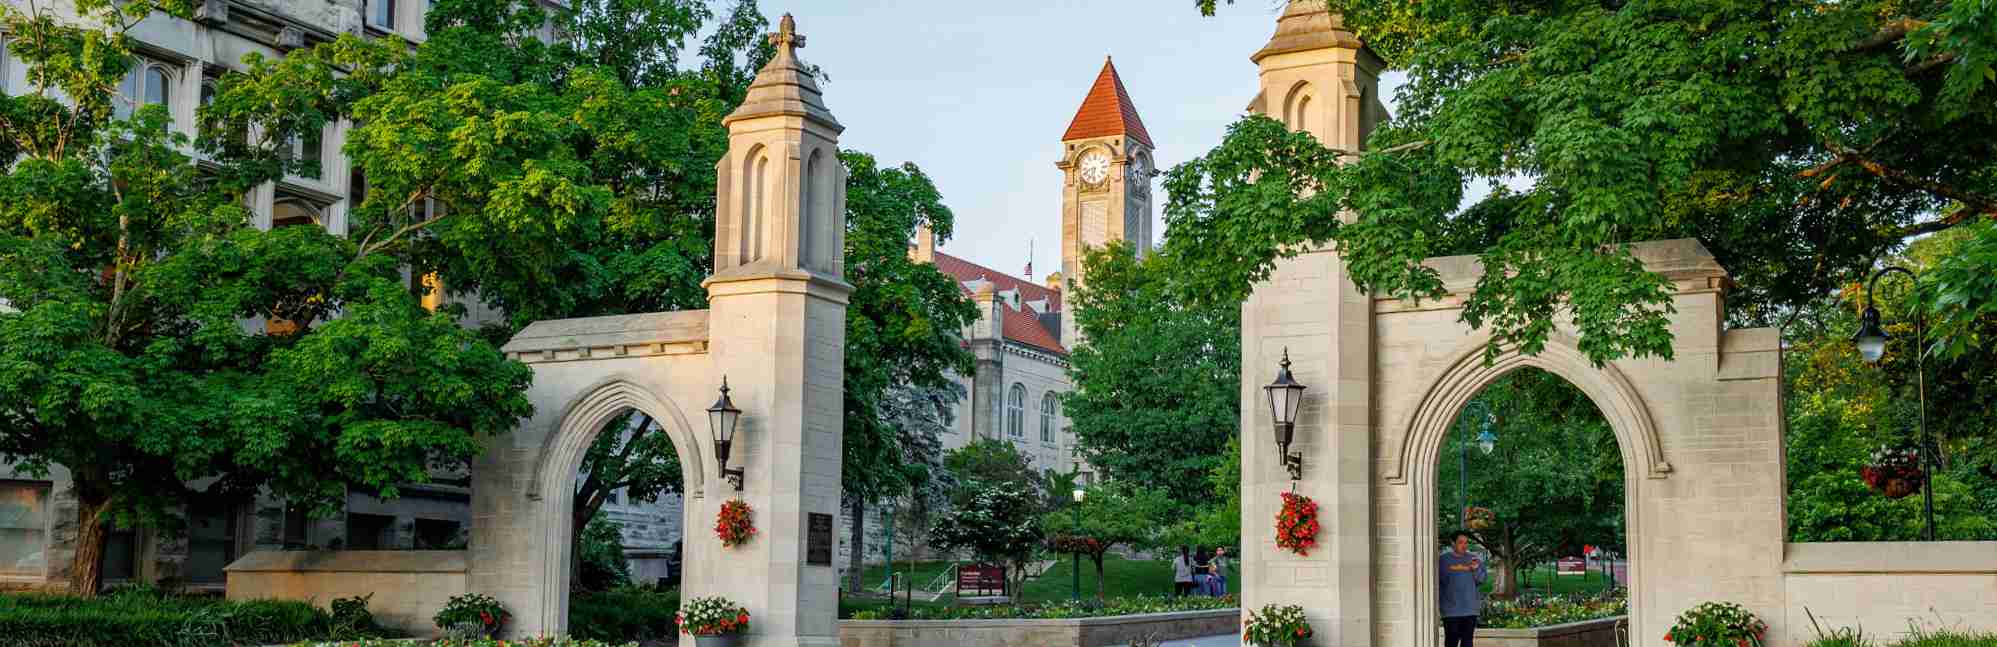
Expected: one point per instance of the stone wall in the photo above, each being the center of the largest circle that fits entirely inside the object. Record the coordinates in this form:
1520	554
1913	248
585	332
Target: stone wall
1079	632
1888	588
1586	633
409	587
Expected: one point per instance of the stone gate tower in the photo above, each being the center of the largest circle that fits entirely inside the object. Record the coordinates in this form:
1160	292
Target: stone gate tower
1106	190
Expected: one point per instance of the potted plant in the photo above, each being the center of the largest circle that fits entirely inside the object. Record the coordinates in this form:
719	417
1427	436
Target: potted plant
1276	626
471	616
1717	624
713	621
1894	471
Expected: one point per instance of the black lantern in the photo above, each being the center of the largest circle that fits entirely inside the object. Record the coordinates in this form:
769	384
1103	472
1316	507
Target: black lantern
1284	395
721	421
1871	337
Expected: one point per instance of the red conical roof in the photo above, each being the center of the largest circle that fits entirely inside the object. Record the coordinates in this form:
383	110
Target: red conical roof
1107	111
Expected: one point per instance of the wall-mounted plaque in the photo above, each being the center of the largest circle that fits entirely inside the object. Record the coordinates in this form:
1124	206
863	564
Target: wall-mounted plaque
818	540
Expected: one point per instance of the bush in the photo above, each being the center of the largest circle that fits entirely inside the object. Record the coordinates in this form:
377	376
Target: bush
1543	611
1059	610
471	615
1717	624
624	614
603	565
153	617
477	642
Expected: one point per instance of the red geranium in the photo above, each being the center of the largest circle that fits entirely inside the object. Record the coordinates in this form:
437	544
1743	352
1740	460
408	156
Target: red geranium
734	525
1296	524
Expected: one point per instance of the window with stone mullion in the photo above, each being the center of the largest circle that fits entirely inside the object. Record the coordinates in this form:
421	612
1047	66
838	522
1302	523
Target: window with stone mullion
1015	411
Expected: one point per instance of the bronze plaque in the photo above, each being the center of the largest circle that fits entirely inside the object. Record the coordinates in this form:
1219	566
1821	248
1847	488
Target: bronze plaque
818	540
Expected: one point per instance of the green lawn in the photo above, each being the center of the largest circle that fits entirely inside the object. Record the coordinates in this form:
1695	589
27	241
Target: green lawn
1122	577
1537	581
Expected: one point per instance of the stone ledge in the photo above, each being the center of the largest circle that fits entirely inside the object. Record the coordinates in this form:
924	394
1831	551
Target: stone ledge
1966	557
1046	622
1551	631
1070	632
351	561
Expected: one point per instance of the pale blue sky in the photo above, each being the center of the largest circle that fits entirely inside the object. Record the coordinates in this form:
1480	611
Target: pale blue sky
978	94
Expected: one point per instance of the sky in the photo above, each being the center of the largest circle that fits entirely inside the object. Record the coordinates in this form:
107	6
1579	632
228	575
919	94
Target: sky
978	93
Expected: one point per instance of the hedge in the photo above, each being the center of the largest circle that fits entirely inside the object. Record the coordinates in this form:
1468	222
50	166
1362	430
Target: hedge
147	617
624	614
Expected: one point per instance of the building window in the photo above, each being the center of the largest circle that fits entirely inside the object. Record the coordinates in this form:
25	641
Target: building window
146	84
437	534
381	14
1015	411
121	556
211	542
24	528
308	150
1047	405
370	531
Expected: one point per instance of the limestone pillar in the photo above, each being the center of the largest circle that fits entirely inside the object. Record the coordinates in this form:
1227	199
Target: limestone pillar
1315	77
777	331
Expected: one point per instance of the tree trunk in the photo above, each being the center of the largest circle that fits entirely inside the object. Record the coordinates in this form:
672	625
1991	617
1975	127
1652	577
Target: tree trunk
858	559
1506	585
1098	559
86	568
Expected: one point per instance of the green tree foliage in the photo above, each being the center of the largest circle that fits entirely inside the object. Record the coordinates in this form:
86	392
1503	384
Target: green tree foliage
1000	523
986	463
1798	139
601	556
1554	479
1157	387
128	271
1117	513
1841	409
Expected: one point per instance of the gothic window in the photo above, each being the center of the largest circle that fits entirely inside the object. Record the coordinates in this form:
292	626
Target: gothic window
307	148
755	193
1047	405
381	14
148	83
24	528
1015	411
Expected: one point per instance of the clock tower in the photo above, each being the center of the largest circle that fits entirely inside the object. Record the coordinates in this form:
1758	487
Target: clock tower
1107	168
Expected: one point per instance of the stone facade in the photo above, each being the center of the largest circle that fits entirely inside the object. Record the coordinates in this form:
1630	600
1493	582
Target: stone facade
408	587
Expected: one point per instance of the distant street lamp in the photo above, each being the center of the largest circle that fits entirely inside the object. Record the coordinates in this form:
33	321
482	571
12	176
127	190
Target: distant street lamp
1079	495
1486	442
1284	395
1871	342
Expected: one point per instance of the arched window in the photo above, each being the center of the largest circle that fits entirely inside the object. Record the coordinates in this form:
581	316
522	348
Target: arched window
146	84
1015	411
1047	405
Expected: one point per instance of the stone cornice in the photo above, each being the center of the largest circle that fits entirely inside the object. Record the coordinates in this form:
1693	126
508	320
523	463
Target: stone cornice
639	335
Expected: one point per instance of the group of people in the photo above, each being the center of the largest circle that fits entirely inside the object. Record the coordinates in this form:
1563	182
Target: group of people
1202	573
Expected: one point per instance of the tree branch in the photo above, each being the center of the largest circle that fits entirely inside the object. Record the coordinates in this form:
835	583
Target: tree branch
1889	33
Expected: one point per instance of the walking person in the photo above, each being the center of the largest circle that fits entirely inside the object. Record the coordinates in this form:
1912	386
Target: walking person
1202	570
1182	572
1459	573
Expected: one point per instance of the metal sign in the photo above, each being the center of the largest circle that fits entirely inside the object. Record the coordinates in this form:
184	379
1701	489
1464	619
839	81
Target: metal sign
818	540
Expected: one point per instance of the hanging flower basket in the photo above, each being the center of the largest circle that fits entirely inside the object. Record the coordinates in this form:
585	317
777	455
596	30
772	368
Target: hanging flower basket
1480	518
1296	524
734	525
1894	472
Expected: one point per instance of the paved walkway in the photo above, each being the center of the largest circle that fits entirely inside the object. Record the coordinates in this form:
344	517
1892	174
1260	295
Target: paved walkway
1224	640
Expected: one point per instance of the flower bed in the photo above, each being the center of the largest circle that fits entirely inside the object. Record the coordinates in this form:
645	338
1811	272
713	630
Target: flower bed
1526	613
1063	609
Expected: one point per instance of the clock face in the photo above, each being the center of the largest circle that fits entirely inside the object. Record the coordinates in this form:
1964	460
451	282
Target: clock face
1095	167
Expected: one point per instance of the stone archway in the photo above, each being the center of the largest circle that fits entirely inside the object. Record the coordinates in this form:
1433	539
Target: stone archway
1613	396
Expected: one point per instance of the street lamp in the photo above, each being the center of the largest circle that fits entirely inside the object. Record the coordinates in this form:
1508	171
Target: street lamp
1079	495
721	421
1871	342
1485	443
1284	395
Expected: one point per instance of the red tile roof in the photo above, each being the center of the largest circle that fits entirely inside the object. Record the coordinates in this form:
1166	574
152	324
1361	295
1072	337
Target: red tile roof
1107	111
1020	324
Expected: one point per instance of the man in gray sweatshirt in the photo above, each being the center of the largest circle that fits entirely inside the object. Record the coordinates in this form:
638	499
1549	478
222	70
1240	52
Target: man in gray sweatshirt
1459	571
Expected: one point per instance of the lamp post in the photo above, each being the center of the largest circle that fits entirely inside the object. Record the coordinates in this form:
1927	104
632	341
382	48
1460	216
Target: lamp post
1485	442
1079	495
1871	341
721	421
1284	395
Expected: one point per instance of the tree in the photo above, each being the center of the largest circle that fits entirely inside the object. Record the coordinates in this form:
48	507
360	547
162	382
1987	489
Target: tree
902	337
1798	140
634	457
1554	480
1000	523
986	463
1157	387
128	272
601	565
1116	513
1215	521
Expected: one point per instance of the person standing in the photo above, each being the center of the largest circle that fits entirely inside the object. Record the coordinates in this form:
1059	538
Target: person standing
1202	570
1219	582
1182	572
1459	573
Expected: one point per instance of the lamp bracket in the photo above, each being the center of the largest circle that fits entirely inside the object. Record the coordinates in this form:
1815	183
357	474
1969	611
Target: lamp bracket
734	477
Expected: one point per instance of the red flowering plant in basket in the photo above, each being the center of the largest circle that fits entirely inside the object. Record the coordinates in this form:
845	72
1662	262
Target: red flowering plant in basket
1894	471
1296	524
734	525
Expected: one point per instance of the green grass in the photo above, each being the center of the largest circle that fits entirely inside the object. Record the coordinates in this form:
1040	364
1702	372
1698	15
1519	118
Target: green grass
1121	578
1536	581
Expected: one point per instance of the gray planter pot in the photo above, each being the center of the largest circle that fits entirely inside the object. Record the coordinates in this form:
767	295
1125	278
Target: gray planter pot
728	640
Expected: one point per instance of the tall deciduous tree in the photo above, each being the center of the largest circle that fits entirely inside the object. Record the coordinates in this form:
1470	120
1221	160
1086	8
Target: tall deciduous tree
1157	384
999	523
1798	139
128	273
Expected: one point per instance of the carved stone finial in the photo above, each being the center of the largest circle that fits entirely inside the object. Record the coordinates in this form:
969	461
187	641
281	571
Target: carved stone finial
787	35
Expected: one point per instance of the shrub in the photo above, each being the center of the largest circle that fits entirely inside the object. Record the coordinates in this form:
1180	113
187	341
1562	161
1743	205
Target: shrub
153	617
471	615
1063	609
1918	637
477	642
1717	624
1276	626
629	613
603	566
351	619
1542	611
